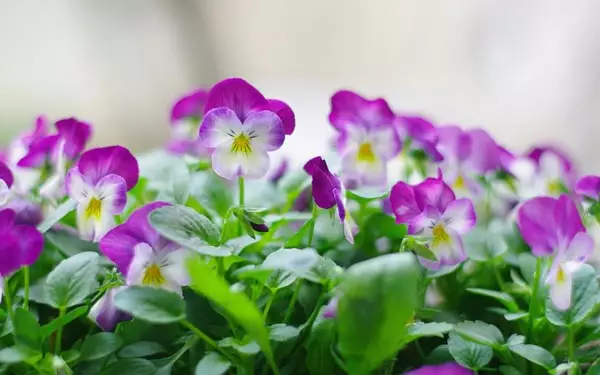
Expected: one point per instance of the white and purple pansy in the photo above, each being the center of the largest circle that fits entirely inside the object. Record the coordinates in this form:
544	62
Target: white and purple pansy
242	127
99	183
186	117
366	138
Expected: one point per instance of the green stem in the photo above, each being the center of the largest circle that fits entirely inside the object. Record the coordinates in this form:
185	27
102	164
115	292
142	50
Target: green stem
58	340
291	307
8	301
311	233
207	340
571	343
534	298
499	280
241	188
26	288
268	306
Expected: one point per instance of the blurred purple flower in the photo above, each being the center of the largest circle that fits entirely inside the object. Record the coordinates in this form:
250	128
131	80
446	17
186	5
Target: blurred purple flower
449	368
330	311
242	127
27	212
589	187
277	173
186	116
422	134
432	211
105	313
366	139
6	182
552	226
99	183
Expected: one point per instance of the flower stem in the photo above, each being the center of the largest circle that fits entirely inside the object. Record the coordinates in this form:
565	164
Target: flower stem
241	188
311	232
534	298
58	340
26	288
290	310
8	301
268	306
499	280
207	339
571	343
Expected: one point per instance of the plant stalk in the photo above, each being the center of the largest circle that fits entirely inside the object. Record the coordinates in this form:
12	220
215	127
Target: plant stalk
8	301
208	340
58	339
534	299
26	287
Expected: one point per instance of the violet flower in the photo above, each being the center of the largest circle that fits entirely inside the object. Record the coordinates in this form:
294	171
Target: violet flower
367	139
328	192
20	245
105	313
589	187
449	368
143	256
99	183
186	116
243	127
6	182
553	227
432	212
422	134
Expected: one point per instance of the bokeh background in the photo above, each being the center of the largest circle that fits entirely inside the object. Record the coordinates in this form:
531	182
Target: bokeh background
527	71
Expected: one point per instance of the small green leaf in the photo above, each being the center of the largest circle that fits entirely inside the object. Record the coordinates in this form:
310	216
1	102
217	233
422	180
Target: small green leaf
27	330
141	349
481	333
503	298
367	194
283	332
483	245
431	274
72	280
62	321
516	316
150	304
469	354
563	368
245	346
421	329
535	354
99	346
319	360
299	262
301	236
411	244
594	368
61	211
16	354
130	366
515	339
212	364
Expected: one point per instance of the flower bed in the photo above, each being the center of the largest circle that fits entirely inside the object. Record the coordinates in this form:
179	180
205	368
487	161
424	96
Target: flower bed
409	248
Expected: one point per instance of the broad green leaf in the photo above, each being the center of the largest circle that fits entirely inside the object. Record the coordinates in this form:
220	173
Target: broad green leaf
130	366
535	354
301	236
594	368
515	339
563	368
62	321
509	370
141	349
483	245
188	228
318	347
503	298
481	333
527	265
585	296
299	262
27	330
411	244
16	354
69	244
60	212
72	280
238	306
516	316
212	364
245	346
150	304
421	329
378	298
440	354
212	192
283	332
469	354
99	346
367	194
445	270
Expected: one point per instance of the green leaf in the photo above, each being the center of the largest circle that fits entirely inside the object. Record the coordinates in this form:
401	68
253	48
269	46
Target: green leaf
72	280
594	368
99	346
62	321
431	274
367	194
411	244
515	339
318	347
516	316
181	186
207	282
69	244
212	192
527	265
509	370
481	333
130	366
380	296
301	236
60	212
283	332
188	228
421	329
141	349
245	346
16	354
584	298
503	298
212	364
27	330
299	262
483	245
563	368
469	354
535	354
150	304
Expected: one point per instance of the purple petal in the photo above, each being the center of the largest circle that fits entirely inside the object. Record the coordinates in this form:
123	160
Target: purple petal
277	173
330	310
76	135
265	130
567	219
190	105
433	192
219	126
100	162
460	215
423	134
449	368
31	241
105	313
118	244
7	220
505	158
77	185
10	253
27	212
350	109
536	222
39	151
403	202
324	183
113	190
580	248
484	156
589	186
453	143
237	95
6	175
285	113
537	152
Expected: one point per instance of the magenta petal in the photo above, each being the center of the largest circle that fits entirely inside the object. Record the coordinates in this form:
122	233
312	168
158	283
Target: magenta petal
567	219
105	313
484	156
27	212
31	243
190	105
39	151
7	220
589	186
10	253
403	202
76	135
6	175
433	192
100	162
324	183
454	144
536	222
449	368
350	109
235	94
537	152
285	113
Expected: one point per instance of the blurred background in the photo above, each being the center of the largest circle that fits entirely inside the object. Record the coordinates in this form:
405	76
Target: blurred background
527	71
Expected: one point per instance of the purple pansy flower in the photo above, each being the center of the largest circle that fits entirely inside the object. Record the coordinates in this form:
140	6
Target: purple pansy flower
143	256
105	313
328	192
6	182
186	116
449	368
553	227
432	212
367	139
99	183
20	245
422	134
25	177
243	127
28	212
589	187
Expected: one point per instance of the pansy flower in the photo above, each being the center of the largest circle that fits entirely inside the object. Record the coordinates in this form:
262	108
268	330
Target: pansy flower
328	192
186	116
105	313
553	227
421	133
143	256
20	245
449	368
99	183
242	127
432	212
366	138
6	182
589	187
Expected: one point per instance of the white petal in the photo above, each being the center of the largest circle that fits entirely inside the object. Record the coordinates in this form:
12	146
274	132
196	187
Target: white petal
230	165
85	223
551	166
53	188
142	256
105	223
580	248
175	268
77	187
385	142
4	193
560	289
524	169
460	215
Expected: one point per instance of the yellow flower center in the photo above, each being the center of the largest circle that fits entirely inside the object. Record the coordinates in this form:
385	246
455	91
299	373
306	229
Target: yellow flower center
560	275
554	186
365	153
459	183
440	236
94	208
153	276
241	143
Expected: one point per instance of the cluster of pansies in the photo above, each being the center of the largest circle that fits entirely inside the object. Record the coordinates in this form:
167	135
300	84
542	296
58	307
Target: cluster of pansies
410	247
